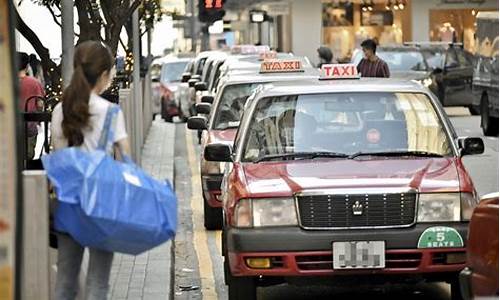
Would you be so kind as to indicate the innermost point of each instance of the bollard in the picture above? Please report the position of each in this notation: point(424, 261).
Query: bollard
point(36, 272)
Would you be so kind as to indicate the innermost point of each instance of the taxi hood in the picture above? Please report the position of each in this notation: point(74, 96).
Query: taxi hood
point(285, 178)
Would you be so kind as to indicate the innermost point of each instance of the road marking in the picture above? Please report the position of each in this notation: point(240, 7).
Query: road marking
point(218, 239)
point(200, 239)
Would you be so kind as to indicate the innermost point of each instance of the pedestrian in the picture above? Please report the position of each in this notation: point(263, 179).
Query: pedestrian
point(78, 122)
point(36, 67)
point(29, 87)
point(372, 65)
point(325, 56)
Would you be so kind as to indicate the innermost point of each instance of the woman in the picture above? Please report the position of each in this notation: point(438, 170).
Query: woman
point(78, 122)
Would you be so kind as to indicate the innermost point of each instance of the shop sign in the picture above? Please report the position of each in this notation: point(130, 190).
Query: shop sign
point(440, 237)
point(281, 66)
point(8, 159)
point(339, 71)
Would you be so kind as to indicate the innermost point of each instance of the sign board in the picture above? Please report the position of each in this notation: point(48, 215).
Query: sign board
point(440, 237)
point(281, 66)
point(339, 71)
point(8, 157)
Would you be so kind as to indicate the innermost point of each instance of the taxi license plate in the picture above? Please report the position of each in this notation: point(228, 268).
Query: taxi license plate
point(359, 255)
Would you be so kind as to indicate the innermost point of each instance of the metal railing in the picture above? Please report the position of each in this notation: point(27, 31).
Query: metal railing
point(138, 118)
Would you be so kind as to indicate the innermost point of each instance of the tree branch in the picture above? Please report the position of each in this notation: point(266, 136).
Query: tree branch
point(52, 12)
point(50, 68)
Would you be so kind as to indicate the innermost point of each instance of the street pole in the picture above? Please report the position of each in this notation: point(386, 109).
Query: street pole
point(193, 26)
point(137, 97)
point(68, 44)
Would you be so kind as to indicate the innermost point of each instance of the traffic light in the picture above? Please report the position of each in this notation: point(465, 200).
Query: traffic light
point(211, 10)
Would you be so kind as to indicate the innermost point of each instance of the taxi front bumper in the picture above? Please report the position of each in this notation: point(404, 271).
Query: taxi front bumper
point(296, 252)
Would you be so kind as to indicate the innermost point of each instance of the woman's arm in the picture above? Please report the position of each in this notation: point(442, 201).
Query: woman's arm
point(122, 147)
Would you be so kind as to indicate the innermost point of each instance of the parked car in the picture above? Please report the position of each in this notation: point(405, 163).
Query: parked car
point(170, 79)
point(480, 277)
point(445, 69)
point(404, 62)
point(485, 82)
point(452, 69)
point(155, 73)
point(358, 180)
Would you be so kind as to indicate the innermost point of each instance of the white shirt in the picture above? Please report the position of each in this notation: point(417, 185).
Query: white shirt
point(98, 108)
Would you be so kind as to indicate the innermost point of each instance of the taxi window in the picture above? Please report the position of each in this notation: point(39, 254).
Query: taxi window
point(403, 60)
point(230, 107)
point(434, 57)
point(172, 72)
point(345, 123)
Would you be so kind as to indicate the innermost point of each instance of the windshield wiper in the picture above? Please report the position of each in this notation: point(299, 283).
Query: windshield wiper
point(396, 153)
point(304, 155)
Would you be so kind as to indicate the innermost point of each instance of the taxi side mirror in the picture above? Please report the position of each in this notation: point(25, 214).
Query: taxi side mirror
point(437, 71)
point(471, 145)
point(207, 99)
point(186, 77)
point(218, 152)
point(200, 86)
point(203, 108)
point(197, 123)
point(192, 82)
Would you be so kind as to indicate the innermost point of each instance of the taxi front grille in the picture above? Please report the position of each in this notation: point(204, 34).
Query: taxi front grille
point(356, 211)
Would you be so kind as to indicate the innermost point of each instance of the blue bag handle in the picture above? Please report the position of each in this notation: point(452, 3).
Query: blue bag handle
point(108, 129)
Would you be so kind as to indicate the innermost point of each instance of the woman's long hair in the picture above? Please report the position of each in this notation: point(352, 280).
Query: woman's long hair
point(91, 60)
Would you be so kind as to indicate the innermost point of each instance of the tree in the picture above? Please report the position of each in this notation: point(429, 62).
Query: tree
point(100, 20)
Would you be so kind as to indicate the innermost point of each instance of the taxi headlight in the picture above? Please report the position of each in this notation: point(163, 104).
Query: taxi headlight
point(439, 207)
point(265, 212)
point(427, 82)
point(469, 202)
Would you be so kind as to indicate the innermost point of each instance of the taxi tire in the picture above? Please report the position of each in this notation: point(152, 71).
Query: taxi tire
point(242, 288)
point(212, 216)
point(456, 291)
point(489, 124)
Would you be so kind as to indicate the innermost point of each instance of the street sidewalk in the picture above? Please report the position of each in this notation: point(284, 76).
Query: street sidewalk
point(147, 276)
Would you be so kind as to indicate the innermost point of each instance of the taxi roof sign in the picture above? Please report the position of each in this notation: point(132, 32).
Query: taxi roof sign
point(281, 66)
point(339, 71)
point(268, 55)
point(249, 49)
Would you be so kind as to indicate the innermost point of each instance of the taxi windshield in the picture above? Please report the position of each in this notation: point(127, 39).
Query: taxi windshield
point(230, 107)
point(345, 125)
point(172, 72)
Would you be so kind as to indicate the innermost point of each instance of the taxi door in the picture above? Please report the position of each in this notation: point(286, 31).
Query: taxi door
point(457, 79)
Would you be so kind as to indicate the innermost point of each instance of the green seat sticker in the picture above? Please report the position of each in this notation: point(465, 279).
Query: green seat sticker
point(440, 237)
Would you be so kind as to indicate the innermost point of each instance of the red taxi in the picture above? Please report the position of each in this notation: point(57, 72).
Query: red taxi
point(224, 119)
point(356, 180)
point(480, 278)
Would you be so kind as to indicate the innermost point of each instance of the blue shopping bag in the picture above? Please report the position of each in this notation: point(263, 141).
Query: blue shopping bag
point(108, 204)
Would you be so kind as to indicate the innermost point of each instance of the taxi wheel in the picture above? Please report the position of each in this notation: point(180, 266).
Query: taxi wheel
point(242, 288)
point(456, 292)
point(489, 124)
point(212, 216)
